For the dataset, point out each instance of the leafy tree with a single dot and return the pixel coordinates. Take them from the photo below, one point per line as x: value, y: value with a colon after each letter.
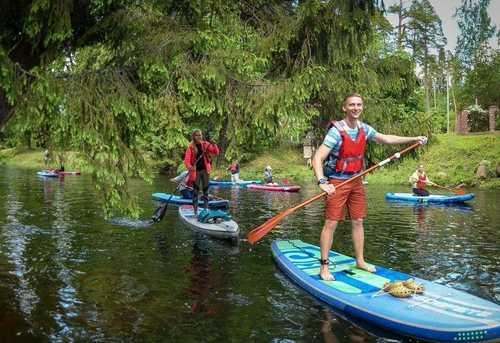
x: 483, y: 82
x: 129, y: 80
x: 402, y: 14
x: 425, y: 35
x: 475, y: 29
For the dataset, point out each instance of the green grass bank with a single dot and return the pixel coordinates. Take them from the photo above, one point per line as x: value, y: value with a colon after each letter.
x: 450, y: 160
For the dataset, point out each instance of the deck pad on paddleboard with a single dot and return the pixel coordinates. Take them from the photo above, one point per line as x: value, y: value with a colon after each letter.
x: 440, y: 314
x: 175, y: 199
x: 431, y: 199
x: 225, y: 229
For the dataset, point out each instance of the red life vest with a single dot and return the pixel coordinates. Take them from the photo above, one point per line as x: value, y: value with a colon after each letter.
x: 352, y: 153
x: 421, y: 181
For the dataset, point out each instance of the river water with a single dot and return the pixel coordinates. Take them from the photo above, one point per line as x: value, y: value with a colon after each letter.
x: 68, y: 274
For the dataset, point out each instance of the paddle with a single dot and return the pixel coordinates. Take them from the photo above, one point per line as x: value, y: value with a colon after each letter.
x: 256, y: 234
x: 456, y: 191
x: 161, y: 210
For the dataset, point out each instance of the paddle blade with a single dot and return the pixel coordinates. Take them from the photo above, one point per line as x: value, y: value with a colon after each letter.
x: 256, y: 234
x: 159, y: 213
x: 459, y: 192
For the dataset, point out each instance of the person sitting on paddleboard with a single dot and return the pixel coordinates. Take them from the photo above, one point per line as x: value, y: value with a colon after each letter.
x: 182, y: 185
x: 419, y: 180
x: 198, y: 161
x: 268, y: 174
x: 234, y: 169
x: 339, y: 158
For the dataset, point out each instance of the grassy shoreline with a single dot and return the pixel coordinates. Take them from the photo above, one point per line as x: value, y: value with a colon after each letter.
x: 450, y: 161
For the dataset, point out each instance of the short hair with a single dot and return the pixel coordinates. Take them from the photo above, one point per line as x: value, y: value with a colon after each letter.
x: 352, y: 95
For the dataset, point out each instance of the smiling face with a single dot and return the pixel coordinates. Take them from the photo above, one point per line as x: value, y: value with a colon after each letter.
x: 353, y: 107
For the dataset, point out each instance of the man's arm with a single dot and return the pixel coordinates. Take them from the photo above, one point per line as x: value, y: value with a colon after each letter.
x: 318, y: 159
x: 317, y: 163
x: 392, y: 139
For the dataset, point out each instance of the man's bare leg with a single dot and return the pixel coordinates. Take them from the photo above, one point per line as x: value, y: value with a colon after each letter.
x: 358, y: 240
x: 325, y: 242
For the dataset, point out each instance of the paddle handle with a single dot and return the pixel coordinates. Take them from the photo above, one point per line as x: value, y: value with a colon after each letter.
x: 256, y: 234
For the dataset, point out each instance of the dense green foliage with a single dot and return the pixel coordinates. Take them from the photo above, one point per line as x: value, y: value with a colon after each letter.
x: 475, y: 29
x: 477, y: 69
x: 121, y: 81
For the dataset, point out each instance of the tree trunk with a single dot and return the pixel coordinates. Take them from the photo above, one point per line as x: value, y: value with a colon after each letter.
x: 6, y: 110
x: 400, y: 26
x: 426, y: 79
x: 223, y: 141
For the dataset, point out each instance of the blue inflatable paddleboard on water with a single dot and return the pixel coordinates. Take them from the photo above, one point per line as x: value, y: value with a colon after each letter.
x: 431, y: 199
x: 231, y: 184
x: 47, y: 173
x: 175, y: 199
x: 440, y: 314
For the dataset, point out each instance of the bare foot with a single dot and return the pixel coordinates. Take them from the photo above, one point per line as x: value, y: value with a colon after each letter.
x: 363, y: 265
x: 325, y: 274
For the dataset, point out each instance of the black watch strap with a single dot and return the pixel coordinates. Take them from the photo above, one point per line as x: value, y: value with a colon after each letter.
x: 322, y: 181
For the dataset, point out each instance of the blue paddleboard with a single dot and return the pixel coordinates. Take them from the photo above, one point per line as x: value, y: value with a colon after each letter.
x: 431, y: 199
x: 231, y: 184
x: 175, y: 199
x: 441, y: 313
x: 47, y: 173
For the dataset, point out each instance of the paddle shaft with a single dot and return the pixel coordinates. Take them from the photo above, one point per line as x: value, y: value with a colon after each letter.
x: 256, y: 234
x: 456, y: 191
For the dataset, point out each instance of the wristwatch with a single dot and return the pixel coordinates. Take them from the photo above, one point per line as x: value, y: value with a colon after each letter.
x: 322, y: 181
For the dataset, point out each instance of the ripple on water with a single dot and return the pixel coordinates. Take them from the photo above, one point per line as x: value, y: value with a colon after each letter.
x: 67, y: 270
x: 131, y: 223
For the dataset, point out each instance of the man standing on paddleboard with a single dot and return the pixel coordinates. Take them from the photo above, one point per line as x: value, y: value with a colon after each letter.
x: 339, y: 158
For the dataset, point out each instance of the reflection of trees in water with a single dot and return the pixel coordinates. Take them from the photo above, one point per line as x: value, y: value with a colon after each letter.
x: 62, y: 236
x: 40, y: 262
x: 16, y: 239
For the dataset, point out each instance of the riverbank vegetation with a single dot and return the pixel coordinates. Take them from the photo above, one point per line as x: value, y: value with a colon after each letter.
x: 122, y: 83
x: 450, y: 160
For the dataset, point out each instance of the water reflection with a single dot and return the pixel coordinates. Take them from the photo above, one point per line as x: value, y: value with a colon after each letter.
x: 16, y: 239
x: 69, y: 274
x: 201, y: 280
